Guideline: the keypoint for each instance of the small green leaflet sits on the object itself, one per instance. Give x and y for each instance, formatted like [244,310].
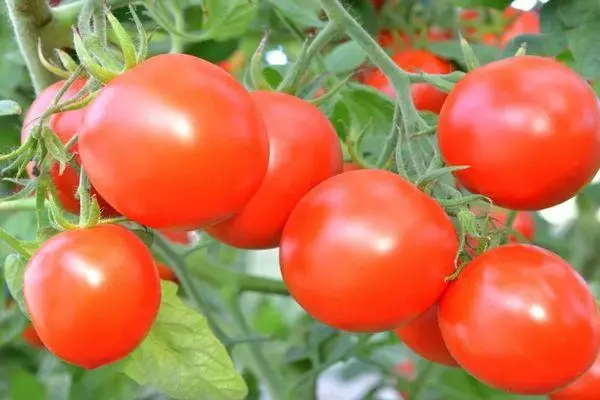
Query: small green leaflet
[181,356]
[9,107]
[14,270]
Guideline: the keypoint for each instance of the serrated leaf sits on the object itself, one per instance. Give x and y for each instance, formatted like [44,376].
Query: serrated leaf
[451,49]
[552,28]
[585,46]
[304,14]
[345,58]
[182,357]
[537,45]
[497,4]
[228,19]
[9,107]
[14,270]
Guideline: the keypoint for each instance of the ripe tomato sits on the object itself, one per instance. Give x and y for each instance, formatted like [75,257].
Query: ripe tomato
[65,125]
[587,387]
[520,319]
[166,273]
[348,166]
[527,22]
[523,223]
[425,96]
[304,151]
[490,39]
[92,294]
[352,245]
[175,143]
[423,336]
[511,121]
[179,237]
[31,337]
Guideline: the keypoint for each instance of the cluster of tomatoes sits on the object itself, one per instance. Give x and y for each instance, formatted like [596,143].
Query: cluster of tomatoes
[177,143]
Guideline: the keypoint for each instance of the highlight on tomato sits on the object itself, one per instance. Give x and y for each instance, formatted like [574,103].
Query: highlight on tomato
[171,161]
[304,151]
[65,125]
[92,294]
[520,319]
[423,336]
[425,96]
[349,248]
[510,121]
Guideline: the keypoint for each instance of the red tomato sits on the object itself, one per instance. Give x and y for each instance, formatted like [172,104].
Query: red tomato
[406,369]
[348,166]
[92,294]
[528,22]
[378,3]
[437,34]
[304,151]
[351,246]
[490,39]
[520,319]
[523,223]
[65,125]
[423,336]
[587,387]
[166,273]
[175,143]
[387,40]
[30,336]
[425,96]
[512,122]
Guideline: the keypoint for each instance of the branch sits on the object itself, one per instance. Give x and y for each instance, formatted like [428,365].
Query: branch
[28,17]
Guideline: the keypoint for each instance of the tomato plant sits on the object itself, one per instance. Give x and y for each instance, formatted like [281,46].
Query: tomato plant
[425,96]
[209,125]
[506,114]
[295,128]
[348,249]
[95,275]
[65,126]
[532,300]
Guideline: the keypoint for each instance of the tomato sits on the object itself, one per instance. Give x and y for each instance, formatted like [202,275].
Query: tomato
[406,370]
[587,387]
[490,39]
[179,237]
[92,294]
[65,126]
[378,3]
[175,143]
[528,127]
[349,166]
[166,273]
[304,151]
[423,336]
[527,22]
[425,96]
[234,63]
[520,319]
[523,223]
[351,246]
[31,337]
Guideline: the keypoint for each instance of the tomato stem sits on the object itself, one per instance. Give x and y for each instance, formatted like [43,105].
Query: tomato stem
[14,243]
[510,219]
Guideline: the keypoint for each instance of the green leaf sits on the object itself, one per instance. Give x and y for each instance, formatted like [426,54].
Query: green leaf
[9,107]
[25,386]
[304,14]
[585,46]
[345,58]
[538,45]
[552,28]
[228,19]
[14,270]
[451,49]
[182,357]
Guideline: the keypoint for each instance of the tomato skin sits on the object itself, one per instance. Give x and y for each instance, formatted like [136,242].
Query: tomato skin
[65,125]
[167,141]
[425,96]
[587,387]
[349,247]
[527,22]
[304,151]
[31,337]
[92,294]
[520,319]
[504,115]
[166,273]
[423,336]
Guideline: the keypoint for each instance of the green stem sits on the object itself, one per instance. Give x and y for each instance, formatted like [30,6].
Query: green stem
[28,17]
[14,243]
[174,260]
[399,79]
[261,365]
[510,219]
[27,204]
